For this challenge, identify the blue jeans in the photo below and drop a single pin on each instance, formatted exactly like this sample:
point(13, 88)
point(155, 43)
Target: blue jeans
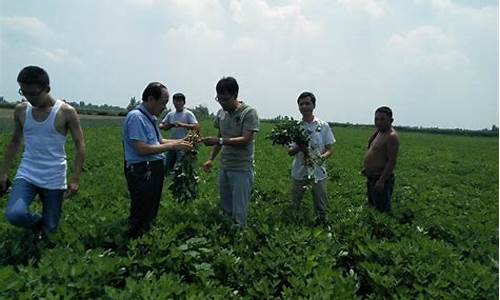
point(235, 188)
point(20, 199)
point(380, 200)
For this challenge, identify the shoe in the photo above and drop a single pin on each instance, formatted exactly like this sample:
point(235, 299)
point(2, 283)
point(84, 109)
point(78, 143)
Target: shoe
point(37, 229)
point(320, 221)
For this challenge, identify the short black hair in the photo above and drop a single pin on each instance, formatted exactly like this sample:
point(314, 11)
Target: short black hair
point(386, 110)
point(307, 94)
point(153, 89)
point(227, 84)
point(179, 96)
point(34, 75)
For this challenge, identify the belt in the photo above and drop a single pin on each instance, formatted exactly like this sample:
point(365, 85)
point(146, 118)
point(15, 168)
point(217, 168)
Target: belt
point(145, 163)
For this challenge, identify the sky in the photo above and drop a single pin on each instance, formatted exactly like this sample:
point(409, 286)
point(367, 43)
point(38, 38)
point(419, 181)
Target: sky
point(434, 62)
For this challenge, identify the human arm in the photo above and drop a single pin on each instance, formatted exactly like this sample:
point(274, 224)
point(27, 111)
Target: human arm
point(73, 124)
point(166, 126)
point(327, 153)
point(392, 153)
point(146, 149)
point(207, 166)
point(12, 147)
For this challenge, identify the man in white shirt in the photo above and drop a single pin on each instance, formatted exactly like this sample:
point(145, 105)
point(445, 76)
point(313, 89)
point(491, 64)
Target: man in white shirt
point(43, 122)
point(320, 146)
point(178, 122)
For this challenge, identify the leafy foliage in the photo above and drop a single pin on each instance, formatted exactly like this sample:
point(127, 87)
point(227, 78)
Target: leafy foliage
point(441, 242)
point(290, 131)
point(184, 185)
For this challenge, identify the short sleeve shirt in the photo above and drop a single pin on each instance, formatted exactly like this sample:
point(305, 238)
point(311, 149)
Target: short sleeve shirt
point(234, 124)
point(139, 126)
point(185, 116)
point(320, 135)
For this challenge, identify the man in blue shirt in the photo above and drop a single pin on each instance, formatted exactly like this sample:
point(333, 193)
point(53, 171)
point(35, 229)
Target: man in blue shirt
point(178, 122)
point(144, 147)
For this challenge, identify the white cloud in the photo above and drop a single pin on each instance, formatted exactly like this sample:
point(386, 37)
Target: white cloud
point(30, 26)
point(42, 42)
point(353, 54)
point(197, 46)
point(197, 9)
point(143, 2)
point(374, 8)
point(259, 16)
point(486, 15)
point(189, 10)
point(59, 56)
point(197, 34)
point(426, 46)
point(249, 45)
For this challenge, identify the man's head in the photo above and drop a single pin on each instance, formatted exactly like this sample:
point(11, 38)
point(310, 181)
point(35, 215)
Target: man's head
point(179, 101)
point(155, 98)
point(227, 93)
point(34, 84)
point(383, 118)
point(306, 102)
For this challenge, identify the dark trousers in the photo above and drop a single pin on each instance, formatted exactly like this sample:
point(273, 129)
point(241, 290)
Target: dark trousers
point(171, 157)
point(145, 184)
point(380, 200)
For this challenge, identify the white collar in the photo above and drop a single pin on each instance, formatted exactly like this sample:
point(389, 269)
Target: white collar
point(315, 120)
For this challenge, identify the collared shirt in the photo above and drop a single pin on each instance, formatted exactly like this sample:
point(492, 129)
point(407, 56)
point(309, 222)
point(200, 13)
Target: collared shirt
point(234, 124)
point(185, 116)
point(320, 135)
point(140, 126)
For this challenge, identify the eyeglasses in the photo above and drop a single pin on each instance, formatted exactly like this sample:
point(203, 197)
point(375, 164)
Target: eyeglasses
point(223, 99)
point(32, 94)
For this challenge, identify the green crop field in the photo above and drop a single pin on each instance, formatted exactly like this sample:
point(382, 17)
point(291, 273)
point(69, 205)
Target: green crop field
point(440, 243)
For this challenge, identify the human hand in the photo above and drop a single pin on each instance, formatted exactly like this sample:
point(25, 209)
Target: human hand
point(379, 186)
point(207, 166)
point(73, 188)
point(4, 184)
point(182, 145)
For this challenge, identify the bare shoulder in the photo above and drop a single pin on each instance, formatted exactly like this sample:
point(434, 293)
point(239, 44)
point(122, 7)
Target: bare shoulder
point(68, 111)
point(20, 110)
point(393, 136)
point(20, 107)
point(69, 115)
point(66, 108)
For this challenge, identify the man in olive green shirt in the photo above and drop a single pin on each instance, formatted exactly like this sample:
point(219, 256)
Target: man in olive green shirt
point(237, 124)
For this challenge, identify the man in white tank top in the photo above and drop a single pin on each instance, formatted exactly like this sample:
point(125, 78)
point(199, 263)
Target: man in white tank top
point(44, 123)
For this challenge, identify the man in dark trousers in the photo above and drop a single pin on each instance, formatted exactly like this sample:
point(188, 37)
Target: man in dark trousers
point(380, 160)
point(144, 159)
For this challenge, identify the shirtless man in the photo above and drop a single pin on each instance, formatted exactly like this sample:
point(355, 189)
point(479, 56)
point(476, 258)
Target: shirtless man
point(380, 160)
point(43, 122)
